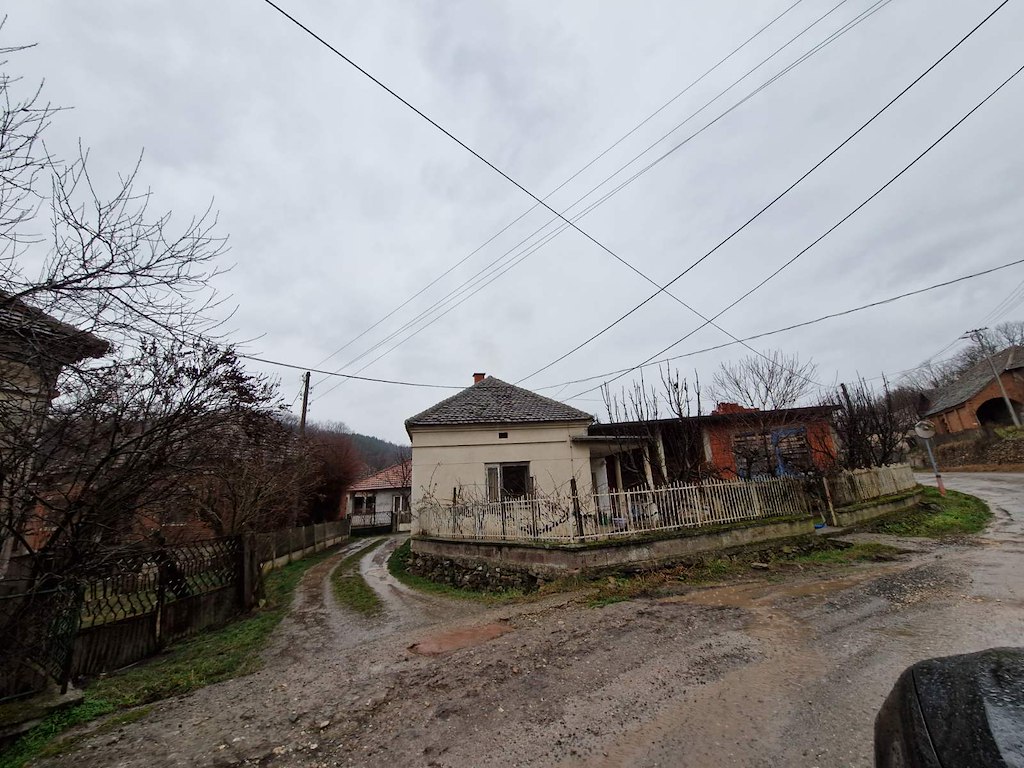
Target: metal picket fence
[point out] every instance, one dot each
(616, 514)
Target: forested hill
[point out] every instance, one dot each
(377, 453)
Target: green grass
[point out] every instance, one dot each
(1010, 433)
(350, 588)
(398, 566)
(864, 551)
(937, 516)
(208, 658)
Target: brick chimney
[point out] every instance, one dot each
(478, 377)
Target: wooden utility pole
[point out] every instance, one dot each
(305, 403)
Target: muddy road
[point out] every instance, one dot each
(760, 673)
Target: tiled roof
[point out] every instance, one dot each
(26, 331)
(397, 476)
(493, 401)
(974, 380)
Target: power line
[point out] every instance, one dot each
(769, 205)
(475, 284)
(835, 226)
(481, 279)
(571, 178)
(794, 326)
(348, 375)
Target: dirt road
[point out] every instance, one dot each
(764, 673)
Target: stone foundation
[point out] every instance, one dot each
(503, 564)
(471, 574)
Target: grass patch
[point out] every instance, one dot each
(350, 588)
(863, 551)
(937, 516)
(1010, 433)
(398, 566)
(207, 658)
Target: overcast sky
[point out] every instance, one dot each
(341, 203)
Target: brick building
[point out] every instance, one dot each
(975, 400)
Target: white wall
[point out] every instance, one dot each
(445, 458)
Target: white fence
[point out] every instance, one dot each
(853, 487)
(613, 515)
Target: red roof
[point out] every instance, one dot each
(397, 476)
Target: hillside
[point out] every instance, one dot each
(377, 453)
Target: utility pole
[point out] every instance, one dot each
(305, 404)
(978, 339)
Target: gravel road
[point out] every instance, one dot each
(767, 672)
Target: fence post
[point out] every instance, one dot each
(576, 508)
(832, 519)
(247, 584)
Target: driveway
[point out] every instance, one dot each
(760, 673)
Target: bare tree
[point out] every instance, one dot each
(124, 448)
(258, 475)
(872, 426)
(775, 380)
(337, 465)
(658, 430)
(112, 384)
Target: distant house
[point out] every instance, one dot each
(495, 442)
(974, 400)
(382, 500)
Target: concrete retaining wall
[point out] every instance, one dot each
(863, 512)
(552, 561)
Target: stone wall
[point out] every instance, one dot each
(983, 448)
(471, 574)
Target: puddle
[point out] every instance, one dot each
(446, 642)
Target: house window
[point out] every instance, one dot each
(507, 481)
(399, 503)
(780, 451)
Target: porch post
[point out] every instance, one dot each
(659, 446)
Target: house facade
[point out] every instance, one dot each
(494, 442)
(382, 500)
(975, 400)
(498, 443)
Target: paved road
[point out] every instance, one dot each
(762, 673)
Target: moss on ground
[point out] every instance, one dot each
(350, 588)
(955, 514)
(207, 658)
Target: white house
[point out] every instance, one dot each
(382, 499)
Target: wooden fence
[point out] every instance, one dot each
(614, 515)
(859, 485)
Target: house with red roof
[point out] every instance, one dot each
(382, 499)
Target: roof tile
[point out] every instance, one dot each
(974, 380)
(493, 401)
